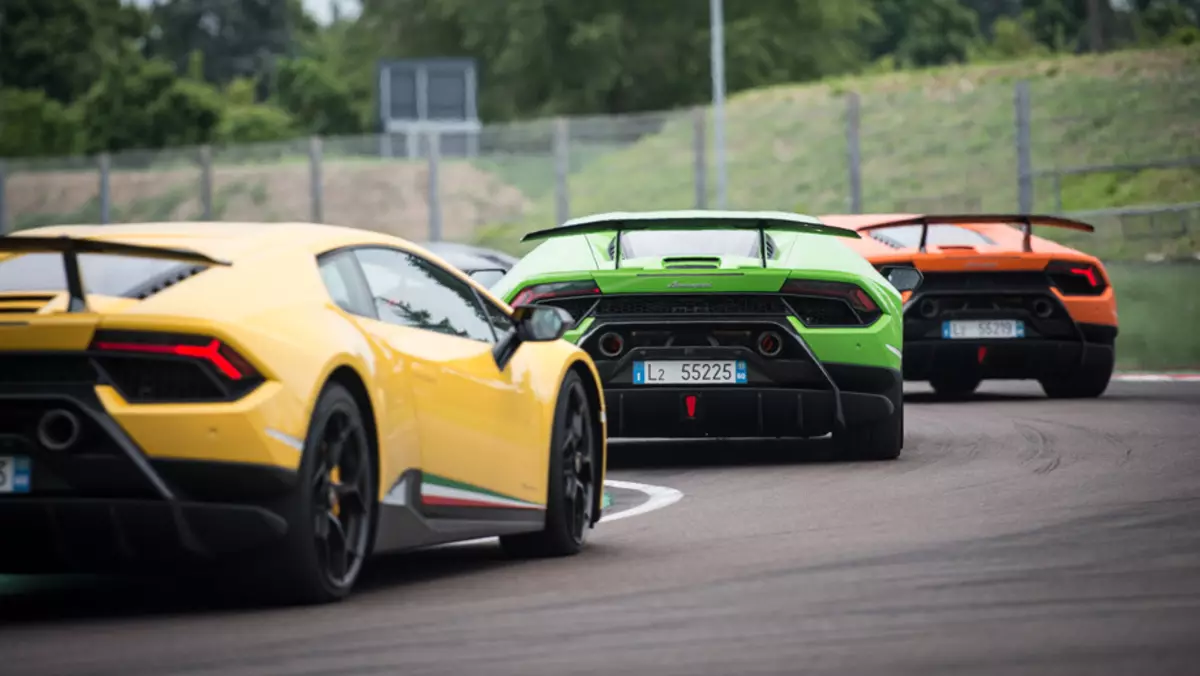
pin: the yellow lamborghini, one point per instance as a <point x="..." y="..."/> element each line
<point x="288" y="398"/>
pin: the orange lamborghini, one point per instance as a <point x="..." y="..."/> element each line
<point x="997" y="302"/>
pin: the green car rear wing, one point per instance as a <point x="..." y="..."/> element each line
<point x="1026" y="221"/>
<point x="761" y="221"/>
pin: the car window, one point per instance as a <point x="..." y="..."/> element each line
<point x="339" y="271"/>
<point x="690" y="243"/>
<point x="940" y="234"/>
<point x="103" y="274"/>
<point x="487" y="278"/>
<point x="410" y="291"/>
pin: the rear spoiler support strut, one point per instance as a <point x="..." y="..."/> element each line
<point x="71" y="247"/>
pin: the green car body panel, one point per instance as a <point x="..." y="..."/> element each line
<point x="795" y="253"/>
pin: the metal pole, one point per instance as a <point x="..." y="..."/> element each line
<point x="1024" y="148"/>
<point x="562" y="170"/>
<point x="435" y="192"/>
<point x="105" y="197"/>
<point x="717" y="33"/>
<point x="316" y="182"/>
<point x="855" y="152"/>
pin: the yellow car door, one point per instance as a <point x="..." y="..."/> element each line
<point x="475" y="424"/>
<point x="396" y="416"/>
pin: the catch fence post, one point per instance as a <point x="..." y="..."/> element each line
<point x="105" y="162"/>
<point x="435" y="193"/>
<point x="3" y="206"/>
<point x="562" y="170"/>
<point x="206" y="183"/>
<point x="700" y="155"/>
<point x="316" y="184"/>
<point x="1024" y="149"/>
<point x="854" y="150"/>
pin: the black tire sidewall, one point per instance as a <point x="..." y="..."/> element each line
<point x="557" y="520"/>
<point x="304" y="564"/>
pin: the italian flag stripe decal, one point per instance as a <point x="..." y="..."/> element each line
<point x="436" y="490"/>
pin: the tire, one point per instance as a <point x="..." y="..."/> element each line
<point x="1086" y="383"/>
<point x="327" y="519"/>
<point x="954" y="385"/>
<point x="883" y="440"/>
<point x="572" y="483"/>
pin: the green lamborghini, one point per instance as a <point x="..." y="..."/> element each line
<point x="728" y="324"/>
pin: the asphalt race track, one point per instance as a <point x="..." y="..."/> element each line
<point x="1016" y="535"/>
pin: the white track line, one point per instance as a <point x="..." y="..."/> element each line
<point x="1156" y="377"/>
<point x="658" y="497"/>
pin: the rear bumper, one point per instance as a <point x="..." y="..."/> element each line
<point x="64" y="535"/>
<point x="865" y="394"/>
<point x="104" y="505"/>
<point x="1010" y="359"/>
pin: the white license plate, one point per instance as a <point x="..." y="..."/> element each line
<point x="14" y="474"/>
<point x="983" y="328"/>
<point x="689" y="372"/>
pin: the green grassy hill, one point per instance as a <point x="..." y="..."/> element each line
<point x="939" y="139"/>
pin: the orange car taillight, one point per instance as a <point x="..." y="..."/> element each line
<point x="532" y="294"/>
<point x="852" y="295"/>
<point x="166" y="367"/>
<point x="1076" y="279"/>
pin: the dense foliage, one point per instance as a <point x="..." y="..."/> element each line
<point x="87" y="76"/>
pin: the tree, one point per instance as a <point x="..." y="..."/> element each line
<point x="140" y="103"/>
<point x="60" y="46"/>
<point x="923" y="32"/>
<point x="35" y="124"/>
<point x="238" y="38"/>
<point x="540" y="57"/>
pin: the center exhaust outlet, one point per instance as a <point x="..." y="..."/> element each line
<point x="58" y="429"/>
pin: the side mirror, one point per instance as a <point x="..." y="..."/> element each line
<point x="487" y="276"/>
<point x="903" y="277"/>
<point x="531" y="324"/>
<point x="541" y="323"/>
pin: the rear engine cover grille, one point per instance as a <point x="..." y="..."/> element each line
<point x="937" y="282"/>
<point x="688" y="304"/>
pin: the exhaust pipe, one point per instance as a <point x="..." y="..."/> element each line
<point x="1042" y="308"/>
<point x="928" y="308"/>
<point x="611" y="344"/>
<point x="770" y="344"/>
<point x="58" y="430"/>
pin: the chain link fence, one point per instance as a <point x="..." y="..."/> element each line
<point x="1059" y="146"/>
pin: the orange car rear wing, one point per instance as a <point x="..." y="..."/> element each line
<point x="71" y="247"/>
<point x="1026" y="220"/>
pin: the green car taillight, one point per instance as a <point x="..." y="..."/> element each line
<point x="549" y="290"/>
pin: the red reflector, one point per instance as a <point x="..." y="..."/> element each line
<point x="1085" y="272"/>
<point x="210" y="352"/>
<point x="690" y="402"/>
<point x="982" y="354"/>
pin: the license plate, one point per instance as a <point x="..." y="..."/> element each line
<point x="983" y="328"/>
<point x="689" y="372"/>
<point x="14" y="474"/>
